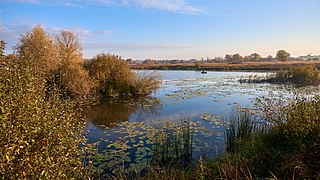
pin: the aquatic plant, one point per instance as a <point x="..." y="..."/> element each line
<point x="244" y="125"/>
<point x="292" y="137"/>
<point x="174" y="146"/>
<point x="139" y="145"/>
<point x="302" y="76"/>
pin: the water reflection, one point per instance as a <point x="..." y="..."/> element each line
<point x="114" y="111"/>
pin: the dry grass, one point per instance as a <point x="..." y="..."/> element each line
<point x="274" y="65"/>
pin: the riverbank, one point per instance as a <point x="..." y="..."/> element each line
<point x="245" y="66"/>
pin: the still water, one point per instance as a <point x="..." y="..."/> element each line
<point x="126" y="130"/>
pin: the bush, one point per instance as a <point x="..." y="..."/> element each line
<point x="115" y="78"/>
<point x="39" y="136"/>
<point x="37" y="48"/>
<point x="112" y="75"/>
<point x="74" y="81"/>
<point x="144" y="83"/>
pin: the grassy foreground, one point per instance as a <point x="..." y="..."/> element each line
<point x="280" y="141"/>
<point x="285" y="144"/>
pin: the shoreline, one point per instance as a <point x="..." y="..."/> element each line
<point x="245" y="66"/>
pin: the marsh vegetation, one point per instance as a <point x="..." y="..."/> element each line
<point x="62" y="117"/>
<point x="306" y="75"/>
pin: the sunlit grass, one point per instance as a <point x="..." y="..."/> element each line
<point x="301" y="76"/>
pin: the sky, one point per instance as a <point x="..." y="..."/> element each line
<point x="171" y="29"/>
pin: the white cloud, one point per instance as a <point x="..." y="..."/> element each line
<point x="11" y="32"/>
<point x="82" y="32"/>
<point x="176" y="6"/>
<point x="25" y="1"/>
<point x="68" y="4"/>
<point x="180" y="6"/>
<point x="91" y="45"/>
<point x="106" y="31"/>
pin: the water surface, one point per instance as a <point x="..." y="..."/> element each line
<point x="125" y="128"/>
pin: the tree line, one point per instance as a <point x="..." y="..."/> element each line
<point x="281" y="55"/>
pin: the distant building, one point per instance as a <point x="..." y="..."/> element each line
<point x="310" y="58"/>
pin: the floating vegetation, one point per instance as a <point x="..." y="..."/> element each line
<point x="131" y="146"/>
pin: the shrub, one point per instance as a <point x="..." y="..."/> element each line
<point x="144" y="83"/>
<point x="39" y="137"/>
<point x="115" y="78"/>
<point x="38" y="49"/>
<point x="112" y="75"/>
<point x="74" y="81"/>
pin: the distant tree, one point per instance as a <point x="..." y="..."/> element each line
<point x="218" y="59"/>
<point x="283" y="55"/>
<point x="255" y="57"/>
<point x="269" y="57"/>
<point x="148" y="62"/>
<point x="38" y="48"/>
<point x="129" y="61"/>
<point x="247" y="58"/>
<point x="237" y="58"/>
<point x="228" y="57"/>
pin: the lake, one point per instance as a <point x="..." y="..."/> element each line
<point x="130" y="133"/>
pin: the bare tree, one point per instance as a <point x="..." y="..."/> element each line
<point x="70" y="50"/>
<point x="74" y="77"/>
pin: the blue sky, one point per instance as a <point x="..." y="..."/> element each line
<point x="171" y="29"/>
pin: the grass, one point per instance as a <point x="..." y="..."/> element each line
<point x="302" y="76"/>
<point x="286" y="149"/>
<point x="174" y="148"/>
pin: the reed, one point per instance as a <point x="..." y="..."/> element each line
<point x="173" y="148"/>
<point x="306" y="75"/>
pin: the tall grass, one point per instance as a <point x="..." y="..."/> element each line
<point x="285" y="146"/>
<point x="302" y="76"/>
<point x="173" y="148"/>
